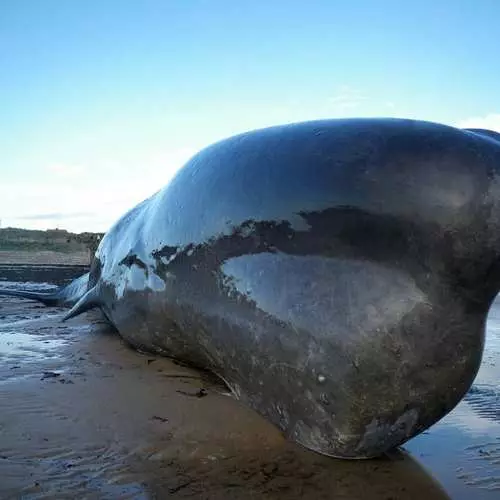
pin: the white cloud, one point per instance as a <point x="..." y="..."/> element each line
<point x="490" y="122"/>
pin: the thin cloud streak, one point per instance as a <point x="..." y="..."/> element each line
<point x="347" y="98"/>
<point x="56" y="216"/>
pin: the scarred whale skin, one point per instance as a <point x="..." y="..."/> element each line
<point x="335" y="274"/>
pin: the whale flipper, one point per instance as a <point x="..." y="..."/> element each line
<point x="89" y="301"/>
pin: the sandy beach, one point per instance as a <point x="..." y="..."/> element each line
<point x="83" y="415"/>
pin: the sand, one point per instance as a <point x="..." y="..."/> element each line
<point x="82" y="415"/>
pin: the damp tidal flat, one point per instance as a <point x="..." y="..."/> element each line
<point x="82" y="414"/>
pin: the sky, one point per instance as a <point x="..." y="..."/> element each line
<point x="102" y="101"/>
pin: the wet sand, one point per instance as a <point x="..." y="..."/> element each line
<point x="44" y="257"/>
<point x="83" y="415"/>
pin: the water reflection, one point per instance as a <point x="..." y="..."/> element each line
<point x="14" y="344"/>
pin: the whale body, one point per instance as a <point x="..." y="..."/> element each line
<point x="336" y="274"/>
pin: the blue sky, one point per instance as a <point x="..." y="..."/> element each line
<point x="102" y="100"/>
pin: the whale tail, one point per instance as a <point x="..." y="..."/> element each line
<point x="65" y="296"/>
<point x="76" y="295"/>
<point x="89" y="301"/>
<point x="46" y="298"/>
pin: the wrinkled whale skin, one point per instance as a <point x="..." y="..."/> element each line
<point x="335" y="274"/>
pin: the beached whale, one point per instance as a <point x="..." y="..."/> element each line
<point x="335" y="274"/>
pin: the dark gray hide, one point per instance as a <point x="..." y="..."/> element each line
<point x="335" y="274"/>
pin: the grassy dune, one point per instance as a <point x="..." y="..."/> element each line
<point x="54" y="246"/>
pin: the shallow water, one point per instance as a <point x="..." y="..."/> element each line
<point x="83" y="415"/>
<point x="463" y="449"/>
